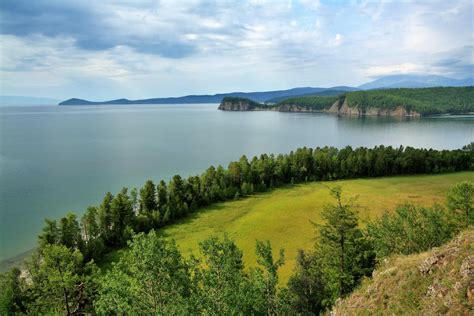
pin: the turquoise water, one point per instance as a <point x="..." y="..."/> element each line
<point x="58" y="159"/>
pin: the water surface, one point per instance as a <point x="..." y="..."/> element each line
<point x="58" y="159"/>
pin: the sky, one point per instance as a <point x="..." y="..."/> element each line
<point x="134" y="49"/>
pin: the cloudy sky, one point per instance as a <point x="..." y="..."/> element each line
<point x="148" y="48"/>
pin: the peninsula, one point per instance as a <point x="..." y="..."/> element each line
<point x="388" y="102"/>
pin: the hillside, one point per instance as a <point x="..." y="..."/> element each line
<point x="388" y="102"/>
<point x="215" y="98"/>
<point x="283" y="216"/>
<point x="439" y="281"/>
<point x="423" y="101"/>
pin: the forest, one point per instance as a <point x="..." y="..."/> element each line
<point x="152" y="277"/>
<point x="313" y="102"/>
<point x="423" y="100"/>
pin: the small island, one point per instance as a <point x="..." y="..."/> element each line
<point x="388" y="102"/>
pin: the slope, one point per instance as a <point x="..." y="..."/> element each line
<point x="435" y="282"/>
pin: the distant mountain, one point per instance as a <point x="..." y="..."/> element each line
<point x="215" y="98"/>
<point x="20" y="100"/>
<point x="395" y="81"/>
<point x="416" y="81"/>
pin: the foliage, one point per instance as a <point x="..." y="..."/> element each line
<point x="252" y="104"/>
<point x="423" y="100"/>
<point x="426" y="101"/>
<point x="12" y="297"/>
<point x="60" y="283"/>
<point x="460" y="201"/>
<point x="314" y="103"/>
<point x="154" y="278"/>
<point x="111" y="224"/>
<point x="345" y="253"/>
<point x="342" y="257"/>
<point x="266" y="280"/>
<point x="307" y="289"/>
<point x="151" y="278"/>
<point x="412" y="229"/>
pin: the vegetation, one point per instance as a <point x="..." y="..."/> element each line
<point x="252" y="104"/>
<point x="62" y="276"/>
<point x="435" y="282"/>
<point x="426" y="101"/>
<point x="315" y="103"/>
<point x="423" y="100"/>
<point x="288" y="211"/>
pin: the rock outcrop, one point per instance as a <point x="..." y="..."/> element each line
<point x="240" y="104"/>
<point x="439" y="281"/>
<point x="345" y="109"/>
<point x="338" y="108"/>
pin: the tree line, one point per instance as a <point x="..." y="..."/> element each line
<point x="110" y="225"/>
<point x="152" y="277"/>
<point x="69" y="247"/>
<point x="426" y="101"/>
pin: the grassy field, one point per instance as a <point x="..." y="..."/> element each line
<point x="283" y="216"/>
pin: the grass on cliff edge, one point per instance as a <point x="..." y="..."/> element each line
<point x="435" y="282"/>
<point x="283" y="215"/>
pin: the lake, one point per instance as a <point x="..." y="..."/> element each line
<point x="58" y="159"/>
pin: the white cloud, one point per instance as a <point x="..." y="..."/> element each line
<point x="405" y="68"/>
<point x="159" y="48"/>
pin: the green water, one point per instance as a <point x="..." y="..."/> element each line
<point x="58" y="159"/>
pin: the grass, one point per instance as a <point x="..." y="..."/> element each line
<point x="283" y="215"/>
<point x="398" y="286"/>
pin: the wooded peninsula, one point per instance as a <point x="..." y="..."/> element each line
<point x="386" y="102"/>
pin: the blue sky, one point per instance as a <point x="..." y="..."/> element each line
<point x="147" y="48"/>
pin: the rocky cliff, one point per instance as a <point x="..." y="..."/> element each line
<point x="242" y="104"/>
<point x="345" y="109"/>
<point x="339" y="107"/>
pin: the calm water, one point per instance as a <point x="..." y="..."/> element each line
<point x="58" y="159"/>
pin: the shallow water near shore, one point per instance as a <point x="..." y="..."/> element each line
<point x="59" y="159"/>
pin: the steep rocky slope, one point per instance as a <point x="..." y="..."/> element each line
<point x="440" y="281"/>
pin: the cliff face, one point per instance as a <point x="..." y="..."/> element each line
<point x="345" y="109"/>
<point x="234" y="106"/>
<point x="336" y="108"/>
<point x="241" y="104"/>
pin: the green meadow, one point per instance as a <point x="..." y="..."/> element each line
<point x="284" y="216"/>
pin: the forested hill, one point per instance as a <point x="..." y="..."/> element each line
<point x="388" y="102"/>
<point x="262" y="96"/>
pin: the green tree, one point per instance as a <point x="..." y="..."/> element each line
<point x="11" y="293"/>
<point x="148" y="202"/>
<point x="93" y="245"/>
<point x="151" y="278"/>
<point x="57" y="278"/>
<point x="410" y="229"/>
<point x="222" y="286"/>
<point x="50" y="234"/>
<point x="69" y="232"/>
<point x="460" y="200"/>
<point x="346" y="254"/>
<point x="307" y="290"/>
<point x="176" y="198"/>
<point x="105" y="218"/>
<point x="122" y="218"/>
<point x="266" y="279"/>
